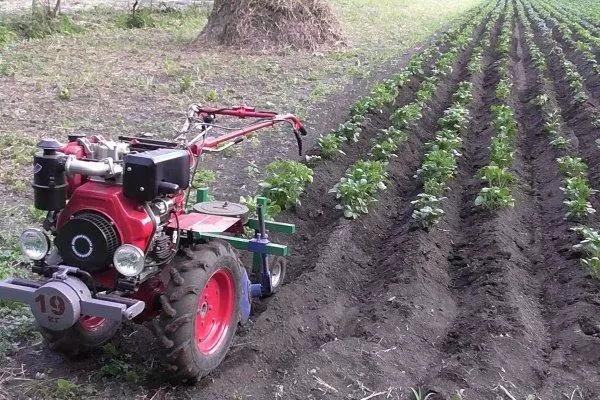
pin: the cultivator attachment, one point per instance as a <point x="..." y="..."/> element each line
<point x="218" y="219"/>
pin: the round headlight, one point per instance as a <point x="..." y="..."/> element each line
<point x="129" y="260"/>
<point x="34" y="244"/>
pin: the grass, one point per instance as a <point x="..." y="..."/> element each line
<point x="113" y="67"/>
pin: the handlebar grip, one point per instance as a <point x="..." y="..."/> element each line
<point x="303" y="131"/>
<point x="297" y="133"/>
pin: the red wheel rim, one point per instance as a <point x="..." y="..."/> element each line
<point x="90" y="323"/>
<point x="214" y="311"/>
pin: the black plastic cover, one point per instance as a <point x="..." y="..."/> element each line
<point x="49" y="180"/>
<point x="146" y="173"/>
<point x="88" y="241"/>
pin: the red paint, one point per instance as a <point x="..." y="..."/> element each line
<point x="203" y="223"/>
<point x="90" y="324"/>
<point x="214" y="311"/>
<point x="74" y="149"/>
<point x="267" y="119"/>
<point x="106" y="279"/>
<point x="132" y="223"/>
<point x="149" y="292"/>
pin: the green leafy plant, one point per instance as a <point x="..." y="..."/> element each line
<point x="329" y="145"/>
<point x="577" y="192"/>
<point x="285" y="182"/>
<point x="350" y="131"/>
<point x="494" y="198"/>
<point x="252" y="203"/>
<point x="358" y="187"/>
<point x="496" y="176"/>
<point x="406" y="115"/>
<point x="384" y="148"/>
<point x="589" y="247"/>
<point x="503" y="89"/>
<point x="427" y="210"/>
<point x="572" y="167"/>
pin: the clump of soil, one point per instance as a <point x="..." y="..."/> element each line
<point x="262" y="24"/>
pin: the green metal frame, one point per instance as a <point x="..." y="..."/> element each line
<point x="240" y="243"/>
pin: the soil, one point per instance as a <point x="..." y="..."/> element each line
<point x="490" y="303"/>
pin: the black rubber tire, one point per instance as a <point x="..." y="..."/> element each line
<point x="77" y="342"/>
<point x="175" y="325"/>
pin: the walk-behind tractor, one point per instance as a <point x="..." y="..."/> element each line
<point x="120" y="242"/>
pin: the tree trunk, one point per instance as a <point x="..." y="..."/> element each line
<point x="301" y="24"/>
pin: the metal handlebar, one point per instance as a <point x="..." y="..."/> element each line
<point x="204" y="115"/>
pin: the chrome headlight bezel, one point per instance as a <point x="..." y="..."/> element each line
<point x="36" y="237"/>
<point x="129" y="260"/>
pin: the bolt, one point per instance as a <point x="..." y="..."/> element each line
<point x="142" y="189"/>
<point x="129" y="169"/>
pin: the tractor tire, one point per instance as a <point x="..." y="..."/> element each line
<point x="200" y="310"/>
<point x="87" y="335"/>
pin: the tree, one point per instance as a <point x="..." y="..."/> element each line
<point x="261" y="24"/>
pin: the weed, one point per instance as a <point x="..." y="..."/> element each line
<point x="203" y="178"/>
<point x="117" y="364"/>
<point x="212" y="95"/>
<point x="171" y="67"/>
<point x="420" y="394"/>
<point x="65" y="389"/>
<point x="64" y="94"/>
<point x="16" y="327"/>
<point x="138" y="19"/>
<point x="185" y="84"/>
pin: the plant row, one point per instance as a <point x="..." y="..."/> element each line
<point x="583" y="48"/>
<point x="499" y="179"/>
<point x="572" y="76"/>
<point x="569" y="19"/>
<point x="384" y="93"/>
<point x="358" y="189"/>
<point x="441" y="157"/>
<point x="286" y="180"/>
<point x="577" y="188"/>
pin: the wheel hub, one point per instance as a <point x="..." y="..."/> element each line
<point x="214" y="311"/>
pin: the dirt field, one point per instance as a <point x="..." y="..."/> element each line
<point x="481" y="306"/>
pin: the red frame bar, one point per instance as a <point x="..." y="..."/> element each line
<point x="243" y="112"/>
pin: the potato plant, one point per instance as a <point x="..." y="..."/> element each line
<point x="440" y="163"/>
<point x="285" y="182"/>
<point x="357" y="190"/>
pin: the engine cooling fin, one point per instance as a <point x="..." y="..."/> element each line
<point x="88" y="240"/>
